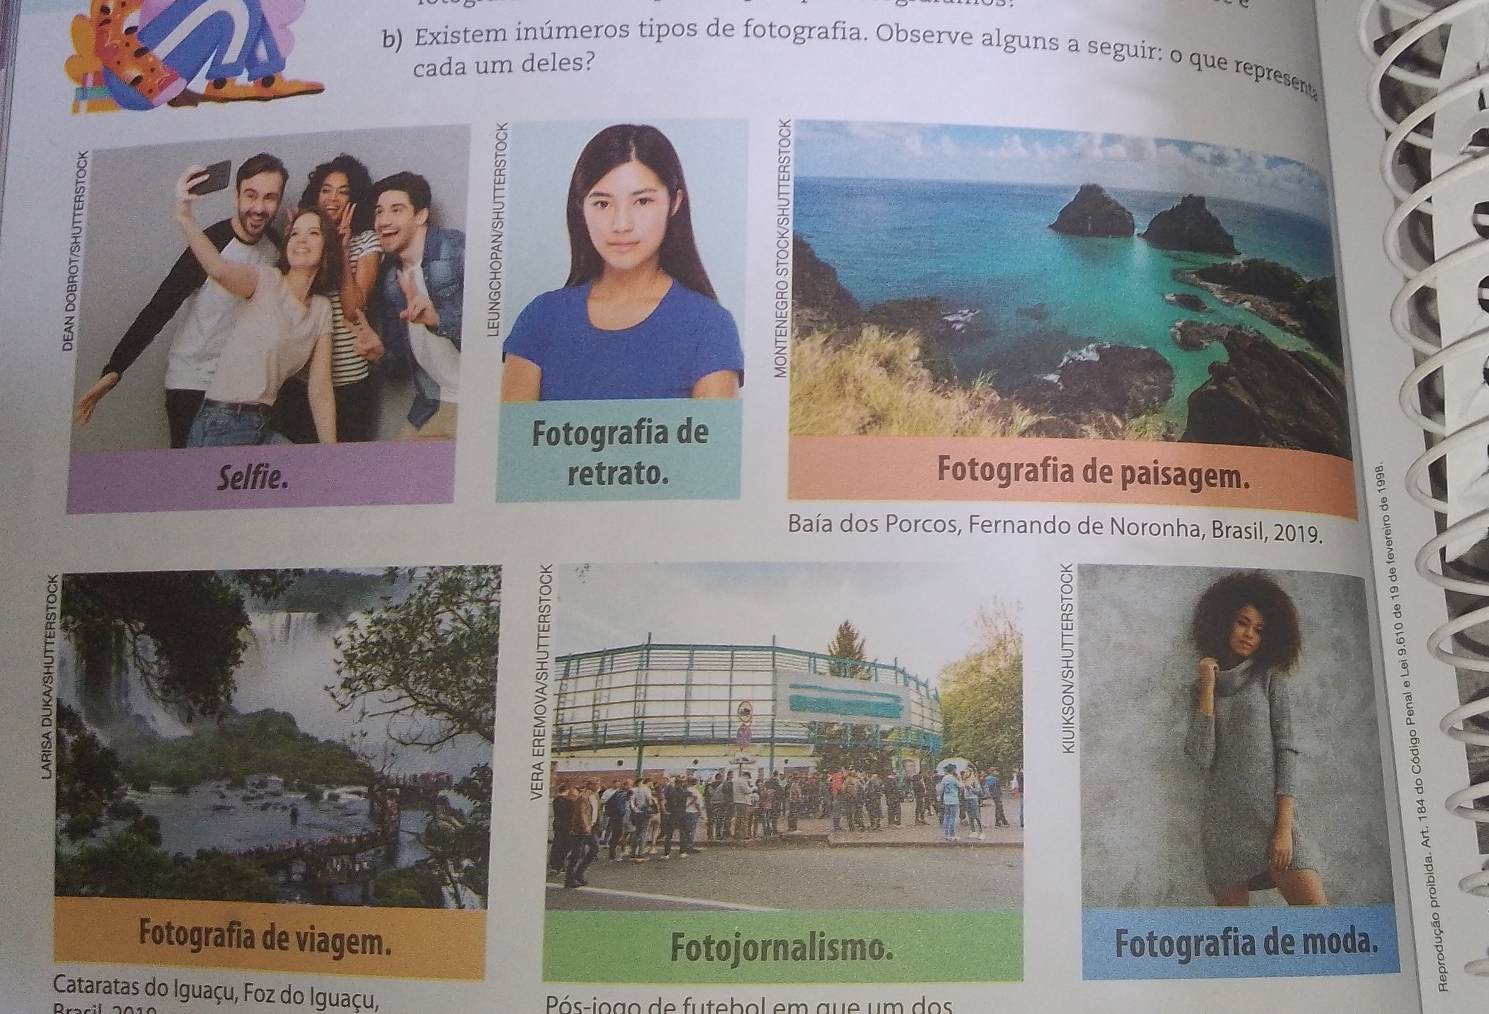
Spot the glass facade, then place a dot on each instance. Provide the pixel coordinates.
(690, 693)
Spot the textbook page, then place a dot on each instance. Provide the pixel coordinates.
(583, 507)
(1449, 926)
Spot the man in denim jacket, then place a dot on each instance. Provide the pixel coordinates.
(422, 288)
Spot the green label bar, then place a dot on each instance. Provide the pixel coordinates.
(800, 947)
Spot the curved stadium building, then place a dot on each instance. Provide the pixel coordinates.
(676, 708)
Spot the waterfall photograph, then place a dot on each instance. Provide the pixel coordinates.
(306, 736)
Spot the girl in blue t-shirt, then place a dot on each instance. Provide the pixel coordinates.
(637, 317)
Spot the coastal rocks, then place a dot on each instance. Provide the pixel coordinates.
(1186, 301)
(1279, 295)
(1266, 396)
(924, 315)
(1193, 335)
(819, 300)
(1124, 381)
(1189, 225)
(1093, 212)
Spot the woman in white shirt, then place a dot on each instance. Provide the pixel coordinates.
(283, 323)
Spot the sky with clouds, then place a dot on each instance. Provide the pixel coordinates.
(1003, 155)
(923, 614)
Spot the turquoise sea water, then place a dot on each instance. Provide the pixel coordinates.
(987, 246)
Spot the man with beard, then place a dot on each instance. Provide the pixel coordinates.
(202, 307)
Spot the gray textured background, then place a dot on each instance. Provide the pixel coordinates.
(1141, 798)
(132, 239)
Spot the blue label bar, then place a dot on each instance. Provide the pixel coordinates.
(1238, 943)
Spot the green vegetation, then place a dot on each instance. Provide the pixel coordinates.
(182, 632)
(982, 697)
(881, 384)
(411, 887)
(128, 865)
(265, 742)
(423, 660)
(1153, 426)
(845, 744)
(88, 778)
(331, 594)
(427, 662)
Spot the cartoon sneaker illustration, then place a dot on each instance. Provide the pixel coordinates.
(150, 51)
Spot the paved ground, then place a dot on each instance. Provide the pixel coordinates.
(927, 834)
(809, 876)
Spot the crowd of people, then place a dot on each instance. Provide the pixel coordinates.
(316, 848)
(633, 818)
(957, 797)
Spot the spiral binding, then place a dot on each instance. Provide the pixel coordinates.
(1414, 22)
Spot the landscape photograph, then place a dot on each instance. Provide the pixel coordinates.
(979, 281)
(315, 737)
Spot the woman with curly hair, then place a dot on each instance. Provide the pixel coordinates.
(342, 188)
(1241, 734)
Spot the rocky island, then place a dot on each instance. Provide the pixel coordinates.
(1094, 212)
(1186, 301)
(1279, 295)
(1189, 225)
(1193, 335)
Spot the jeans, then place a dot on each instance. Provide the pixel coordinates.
(948, 820)
(689, 831)
(227, 424)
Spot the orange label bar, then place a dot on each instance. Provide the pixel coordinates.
(1070, 471)
(411, 943)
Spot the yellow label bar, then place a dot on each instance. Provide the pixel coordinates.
(411, 943)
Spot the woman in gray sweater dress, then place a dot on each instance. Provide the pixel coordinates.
(1241, 734)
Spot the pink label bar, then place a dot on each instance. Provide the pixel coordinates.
(1070, 471)
(228, 478)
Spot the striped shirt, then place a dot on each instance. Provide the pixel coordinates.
(346, 366)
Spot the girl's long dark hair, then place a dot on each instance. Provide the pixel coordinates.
(327, 278)
(615, 146)
(357, 178)
(1217, 609)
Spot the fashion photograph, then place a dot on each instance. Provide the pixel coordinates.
(1230, 753)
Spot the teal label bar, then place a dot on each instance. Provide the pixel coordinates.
(574, 451)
